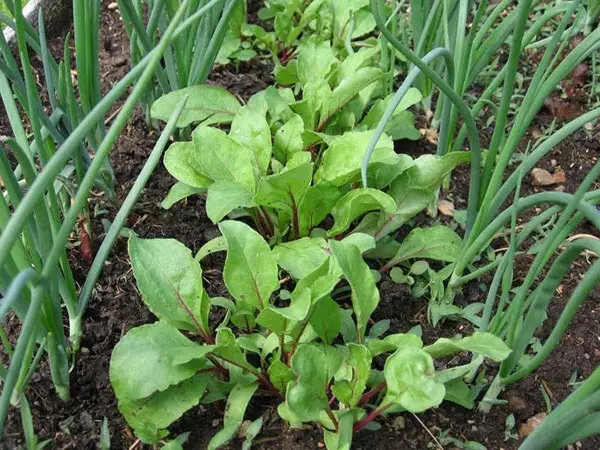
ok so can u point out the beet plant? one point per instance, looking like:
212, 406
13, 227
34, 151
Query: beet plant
318, 360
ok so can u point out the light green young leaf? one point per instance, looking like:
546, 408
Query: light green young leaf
393, 342
356, 203
250, 272
280, 375
351, 379
349, 88
363, 241
183, 162
225, 196
411, 380
342, 440
363, 57
170, 281
326, 320
286, 189
316, 205
222, 158
218, 244
315, 59
343, 159
440, 243
485, 344
205, 103
158, 349
251, 432
281, 320
375, 114
458, 392
315, 93
288, 139
234, 414
251, 129
301, 257
402, 126
178, 192
365, 296
429, 171
314, 365
150, 416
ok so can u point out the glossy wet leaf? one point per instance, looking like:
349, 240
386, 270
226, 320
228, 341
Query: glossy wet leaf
235, 410
222, 158
205, 103
225, 196
365, 296
158, 349
250, 272
170, 281
355, 204
183, 162
485, 344
411, 381
150, 416
251, 129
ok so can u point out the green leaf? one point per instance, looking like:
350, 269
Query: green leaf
300, 258
365, 296
356, 203
280, 375
234, 414
485, 344
250, 272
286, 189
458, 392
150, 416
342, 161
375, 114
280, 320
326, 320
182, 161
351, 379
288, 139
170, 281
411, 381
218, 244
314, 366
342, 439
362, 241
316, 206
251, 432
402, 126
393, 342
429, 171
440, 243
251, 130
151, 358
222, 158
225, 196
287, 75
349, 88
315, 59
205, 104
178, 192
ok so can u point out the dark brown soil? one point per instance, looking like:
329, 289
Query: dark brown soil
116, 308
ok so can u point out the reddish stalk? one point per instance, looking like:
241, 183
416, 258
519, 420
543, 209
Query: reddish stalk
372, 393
364, 422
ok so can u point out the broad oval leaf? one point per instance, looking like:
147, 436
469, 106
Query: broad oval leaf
286, 189
182, 161
356, 203
205, 103
411, 380
178, 192
151, 358
225, 196
316, 206
288, 139
251, 129
315, 59
440, 243
170, 281
485, 344
250, 272
302, 257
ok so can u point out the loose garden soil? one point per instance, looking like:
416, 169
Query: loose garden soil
117, 307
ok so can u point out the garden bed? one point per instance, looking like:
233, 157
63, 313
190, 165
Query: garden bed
117, 307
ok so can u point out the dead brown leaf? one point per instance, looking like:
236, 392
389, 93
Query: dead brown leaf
541, 177
446, 208
430, 135
532, 423
563, 109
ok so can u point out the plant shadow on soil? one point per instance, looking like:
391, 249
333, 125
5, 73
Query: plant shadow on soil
116, 306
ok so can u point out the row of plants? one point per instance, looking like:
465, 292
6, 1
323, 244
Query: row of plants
309, 194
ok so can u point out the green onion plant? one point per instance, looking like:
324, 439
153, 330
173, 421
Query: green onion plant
512, 313
35, 278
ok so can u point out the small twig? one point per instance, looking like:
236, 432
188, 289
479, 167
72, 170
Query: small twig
110, 118
428, 431
135, 444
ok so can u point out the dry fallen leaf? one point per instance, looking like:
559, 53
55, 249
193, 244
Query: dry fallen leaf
446, 208
430, 135
541, 177
532, 423
563, 109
